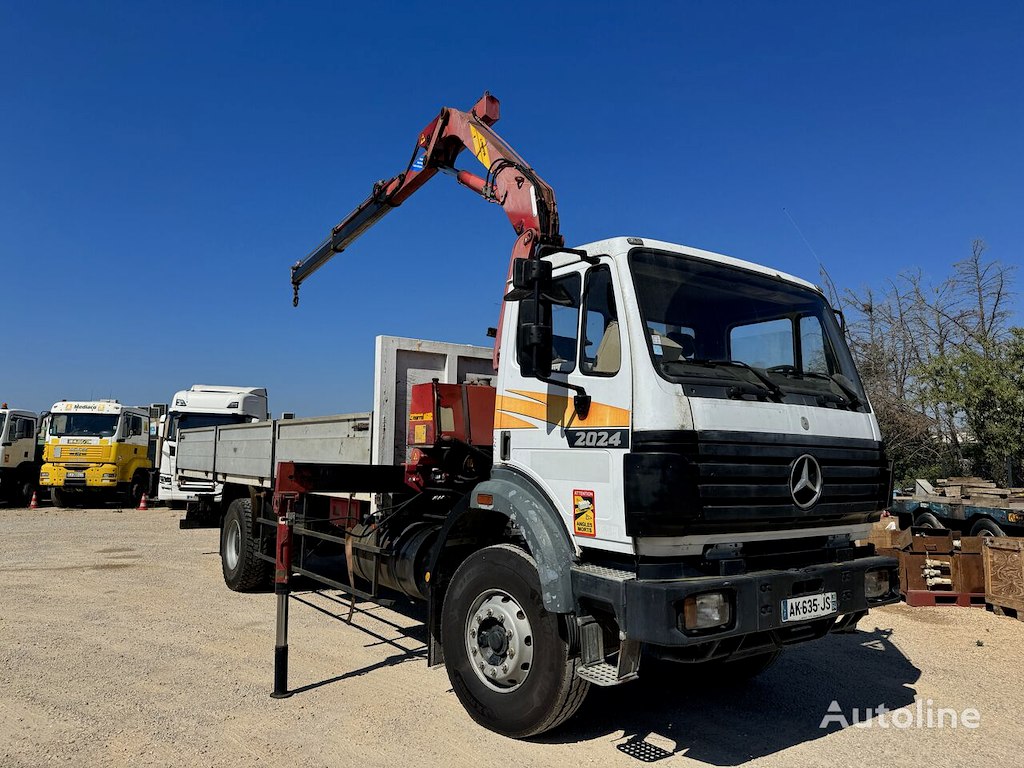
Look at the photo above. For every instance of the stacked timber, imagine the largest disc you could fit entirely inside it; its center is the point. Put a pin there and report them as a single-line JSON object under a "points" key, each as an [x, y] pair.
{"points": [[974, 491]]}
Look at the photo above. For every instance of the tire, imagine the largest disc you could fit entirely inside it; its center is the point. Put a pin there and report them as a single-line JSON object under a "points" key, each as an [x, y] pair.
{"points": [[25, 491], [60, 498], [494, 606], [927, 520], [986, 527], [244, 570], [138, 486]]}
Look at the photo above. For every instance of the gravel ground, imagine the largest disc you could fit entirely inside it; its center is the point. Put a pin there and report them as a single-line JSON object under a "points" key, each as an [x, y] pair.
{"points": [[120, 645]]}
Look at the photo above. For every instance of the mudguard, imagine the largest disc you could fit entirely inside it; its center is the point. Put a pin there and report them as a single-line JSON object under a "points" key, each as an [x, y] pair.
{"points": [[520, 501]]}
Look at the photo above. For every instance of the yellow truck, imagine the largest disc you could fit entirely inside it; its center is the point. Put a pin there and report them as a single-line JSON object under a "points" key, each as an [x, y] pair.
{"points": [[95, 451]]}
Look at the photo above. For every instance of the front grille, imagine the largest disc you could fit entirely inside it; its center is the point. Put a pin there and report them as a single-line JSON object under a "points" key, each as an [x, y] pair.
{"points": [[738, 479], [73, 453]]}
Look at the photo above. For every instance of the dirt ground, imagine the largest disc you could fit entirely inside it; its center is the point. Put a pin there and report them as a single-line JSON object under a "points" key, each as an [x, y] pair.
{"points": [[120, 645]]}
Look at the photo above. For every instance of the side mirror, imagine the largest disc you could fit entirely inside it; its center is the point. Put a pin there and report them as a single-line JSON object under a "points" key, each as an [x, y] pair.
{"points": [[533, 340], [528, 274]]}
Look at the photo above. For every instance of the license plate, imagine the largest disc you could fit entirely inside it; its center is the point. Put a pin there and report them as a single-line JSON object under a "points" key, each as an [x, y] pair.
{"points": [[76, 475], [809, 607]]}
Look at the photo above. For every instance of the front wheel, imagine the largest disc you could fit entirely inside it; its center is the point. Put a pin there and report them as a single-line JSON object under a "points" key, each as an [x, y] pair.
{"points": [[244, 570], [928, 520], [60, 498], [508, 658]]}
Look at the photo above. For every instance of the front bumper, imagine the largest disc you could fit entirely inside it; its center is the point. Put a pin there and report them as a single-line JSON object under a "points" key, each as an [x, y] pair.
{"points": [[648, 610], [93, 476]]}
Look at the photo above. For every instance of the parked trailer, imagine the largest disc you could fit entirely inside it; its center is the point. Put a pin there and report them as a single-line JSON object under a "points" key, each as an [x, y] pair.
{"points": [[969, 516], [674, 455]]}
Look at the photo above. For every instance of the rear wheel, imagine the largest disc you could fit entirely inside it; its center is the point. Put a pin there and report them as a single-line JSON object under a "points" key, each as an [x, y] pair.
{"points": [[244, 570], [507, 657], [986, 527]]}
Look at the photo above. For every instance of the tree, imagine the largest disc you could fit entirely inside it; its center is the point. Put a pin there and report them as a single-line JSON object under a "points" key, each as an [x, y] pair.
{"points": [[936, 360]]}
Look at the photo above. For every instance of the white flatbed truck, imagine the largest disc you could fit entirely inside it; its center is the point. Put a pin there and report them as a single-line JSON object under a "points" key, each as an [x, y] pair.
{"points": [[674, 457]]}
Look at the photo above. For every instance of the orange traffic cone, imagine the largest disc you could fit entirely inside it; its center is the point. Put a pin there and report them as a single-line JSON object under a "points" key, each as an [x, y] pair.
{"points": [[143, 503], [34, 504]]}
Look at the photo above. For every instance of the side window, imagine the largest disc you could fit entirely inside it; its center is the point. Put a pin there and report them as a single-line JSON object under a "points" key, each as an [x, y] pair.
{"points": [[565, 322], [602, 354], [812, 345]]}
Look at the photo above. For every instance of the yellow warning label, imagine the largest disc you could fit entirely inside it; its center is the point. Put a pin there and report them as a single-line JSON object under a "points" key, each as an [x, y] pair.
{"points": [[427, 416], [480, 147], [584, 513], [419, 434]]}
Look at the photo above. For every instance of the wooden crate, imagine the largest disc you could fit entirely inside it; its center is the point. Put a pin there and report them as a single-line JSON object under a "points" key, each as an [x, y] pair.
{"points": [[1004, 572]]}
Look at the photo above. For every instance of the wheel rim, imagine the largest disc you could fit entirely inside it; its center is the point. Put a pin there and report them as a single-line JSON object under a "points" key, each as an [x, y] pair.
{"points": [[499, 640], [233, 544]]}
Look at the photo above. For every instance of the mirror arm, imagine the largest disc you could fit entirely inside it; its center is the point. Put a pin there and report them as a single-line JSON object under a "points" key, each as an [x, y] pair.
{"points": [[580, 401]]}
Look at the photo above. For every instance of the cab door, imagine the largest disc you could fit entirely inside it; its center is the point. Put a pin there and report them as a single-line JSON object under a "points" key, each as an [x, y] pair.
{"points": [[576, 457]]}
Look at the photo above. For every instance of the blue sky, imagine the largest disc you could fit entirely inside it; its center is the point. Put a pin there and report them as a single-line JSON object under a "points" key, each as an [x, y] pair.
{"points": [[162, 165]]}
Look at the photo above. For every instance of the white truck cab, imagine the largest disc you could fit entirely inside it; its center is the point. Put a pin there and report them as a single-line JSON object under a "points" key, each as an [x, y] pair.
{"points": [[19, 454], [708, 377], [202, 405]]}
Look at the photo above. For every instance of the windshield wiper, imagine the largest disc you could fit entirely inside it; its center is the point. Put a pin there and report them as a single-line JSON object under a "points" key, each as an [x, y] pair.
{"points": [[851, 394], [771, 386]]}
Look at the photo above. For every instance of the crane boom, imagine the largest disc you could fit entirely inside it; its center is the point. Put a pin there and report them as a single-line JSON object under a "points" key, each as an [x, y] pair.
{"points": [[509, 181]]}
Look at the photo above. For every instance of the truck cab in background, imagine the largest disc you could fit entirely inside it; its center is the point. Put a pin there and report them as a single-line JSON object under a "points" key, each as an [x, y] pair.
{"points": [[202, 405], [19, 455], [96, 451]]}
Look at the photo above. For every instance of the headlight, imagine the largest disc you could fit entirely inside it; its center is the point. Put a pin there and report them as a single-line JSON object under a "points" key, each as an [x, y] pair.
{"points": [[712, 609], [110, 476], [876, 584], [44, 475]]}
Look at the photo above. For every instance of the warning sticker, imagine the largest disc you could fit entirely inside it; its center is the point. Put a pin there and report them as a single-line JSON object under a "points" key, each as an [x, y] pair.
{"points": [[584, 513]]}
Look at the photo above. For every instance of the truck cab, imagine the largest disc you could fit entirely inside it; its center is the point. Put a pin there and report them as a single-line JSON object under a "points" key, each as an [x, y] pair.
{"points": [[202, 405], [96, 450], [19, 457], [723, 405]]}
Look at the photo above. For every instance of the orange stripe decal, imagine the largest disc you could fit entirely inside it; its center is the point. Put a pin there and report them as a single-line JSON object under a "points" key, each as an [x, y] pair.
{"points": [[558, 410]]}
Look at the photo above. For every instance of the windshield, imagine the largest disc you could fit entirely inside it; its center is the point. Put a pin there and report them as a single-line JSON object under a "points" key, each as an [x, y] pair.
{"points": [[83, 424], [194, 420], [3, 418], [728, 332]]}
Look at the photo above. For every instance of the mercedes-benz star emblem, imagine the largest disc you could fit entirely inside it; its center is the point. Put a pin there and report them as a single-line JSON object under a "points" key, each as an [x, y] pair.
{"points": [[805, 481]]}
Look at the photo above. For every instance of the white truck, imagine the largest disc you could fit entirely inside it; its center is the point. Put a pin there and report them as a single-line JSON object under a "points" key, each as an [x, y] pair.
{"points": [[202, 405], [673, 457], [20, 455]]}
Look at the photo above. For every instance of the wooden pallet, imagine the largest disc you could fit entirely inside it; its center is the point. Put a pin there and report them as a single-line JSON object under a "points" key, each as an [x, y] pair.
{"points": [[923, 598], [1005, 610]]}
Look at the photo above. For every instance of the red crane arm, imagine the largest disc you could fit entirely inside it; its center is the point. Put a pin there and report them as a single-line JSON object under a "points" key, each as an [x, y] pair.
{"points": [[509, 181]]}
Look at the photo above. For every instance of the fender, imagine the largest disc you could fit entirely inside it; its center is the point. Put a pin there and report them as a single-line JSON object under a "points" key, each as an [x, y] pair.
{"points": [[519, 501]]}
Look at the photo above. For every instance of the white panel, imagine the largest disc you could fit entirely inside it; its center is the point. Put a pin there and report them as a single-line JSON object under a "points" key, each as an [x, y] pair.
{"points": [[403, 362]]}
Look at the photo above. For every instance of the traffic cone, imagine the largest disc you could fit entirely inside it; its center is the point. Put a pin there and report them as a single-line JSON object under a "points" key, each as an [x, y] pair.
{"points": [[143, 503], [34, 504]]}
